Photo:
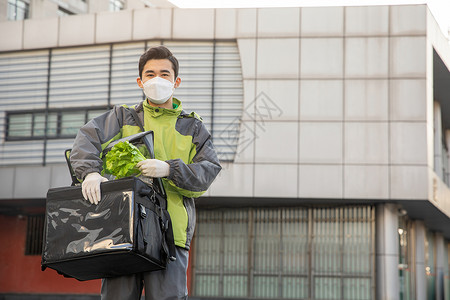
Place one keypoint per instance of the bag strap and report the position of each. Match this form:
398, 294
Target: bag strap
168, 239
168, 242
136, 118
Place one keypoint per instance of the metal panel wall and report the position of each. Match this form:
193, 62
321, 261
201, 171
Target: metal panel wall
124, 71
105, 75
21, 152
79, 77
228, 99
23, 80
196, 61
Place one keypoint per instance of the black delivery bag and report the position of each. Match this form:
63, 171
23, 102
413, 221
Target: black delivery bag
127, 232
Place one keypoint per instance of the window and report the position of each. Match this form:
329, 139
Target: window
115, 5
60, 124
430, 264
441, 152
447, 268
18, 9
285, 253
405, 259
35, 231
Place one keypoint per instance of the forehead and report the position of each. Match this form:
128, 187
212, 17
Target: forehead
157, 65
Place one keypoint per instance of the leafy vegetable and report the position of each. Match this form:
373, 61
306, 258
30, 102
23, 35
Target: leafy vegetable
121, 160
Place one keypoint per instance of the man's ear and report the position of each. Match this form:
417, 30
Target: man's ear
139, 82
177, 82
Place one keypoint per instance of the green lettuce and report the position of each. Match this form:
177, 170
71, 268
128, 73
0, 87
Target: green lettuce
121, 160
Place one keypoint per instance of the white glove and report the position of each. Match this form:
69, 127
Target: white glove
154, 168
91, 187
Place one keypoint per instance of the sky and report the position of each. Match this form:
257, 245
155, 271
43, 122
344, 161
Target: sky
439, 8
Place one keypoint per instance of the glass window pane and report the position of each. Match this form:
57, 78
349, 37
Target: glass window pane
52, 124
430, 264
235, 286
207, 285
295, 287
327, 288
327, 241
235, 241
357, 288
20, 125
267, 241
209, 239
39, 125
71, 123
295, 241
265, 287
11, 11
357, 241
17, 10
21, 14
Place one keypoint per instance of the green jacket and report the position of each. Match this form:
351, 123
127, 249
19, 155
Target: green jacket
181, 140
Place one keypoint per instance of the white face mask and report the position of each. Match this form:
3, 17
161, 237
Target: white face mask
158, 90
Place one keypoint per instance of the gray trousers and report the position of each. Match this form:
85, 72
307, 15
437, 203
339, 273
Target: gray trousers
170, 283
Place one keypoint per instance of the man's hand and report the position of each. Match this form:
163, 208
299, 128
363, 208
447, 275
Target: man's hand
154, 168
91, 187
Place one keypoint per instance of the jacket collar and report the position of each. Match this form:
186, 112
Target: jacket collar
158, 111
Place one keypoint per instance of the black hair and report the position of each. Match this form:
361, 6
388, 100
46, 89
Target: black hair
159, 52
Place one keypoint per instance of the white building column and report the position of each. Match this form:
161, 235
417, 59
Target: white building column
388, 285
421, 280
440, 265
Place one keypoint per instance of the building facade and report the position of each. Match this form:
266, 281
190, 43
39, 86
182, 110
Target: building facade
332, 125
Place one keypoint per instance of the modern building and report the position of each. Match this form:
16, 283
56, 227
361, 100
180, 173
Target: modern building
332, 125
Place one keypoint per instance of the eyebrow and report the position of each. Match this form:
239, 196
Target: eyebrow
161, 71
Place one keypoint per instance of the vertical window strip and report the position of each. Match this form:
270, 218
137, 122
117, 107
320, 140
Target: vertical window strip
406, 259
430, 264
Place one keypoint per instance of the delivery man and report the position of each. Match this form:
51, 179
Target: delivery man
185, 159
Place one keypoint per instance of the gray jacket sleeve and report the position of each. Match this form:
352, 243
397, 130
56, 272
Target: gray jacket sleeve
193, 179
87, 147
